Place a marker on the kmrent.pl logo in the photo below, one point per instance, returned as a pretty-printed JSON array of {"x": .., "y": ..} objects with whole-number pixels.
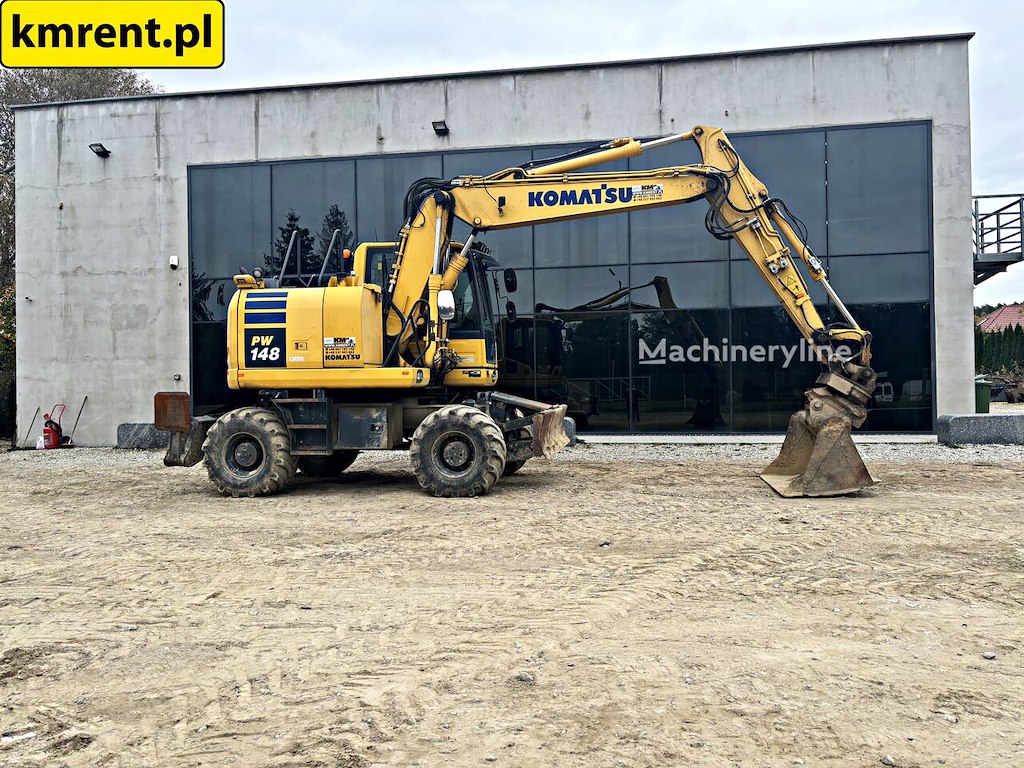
[
  {"x": 663, "y": 353},
  {"x": 112, "y": 33}
]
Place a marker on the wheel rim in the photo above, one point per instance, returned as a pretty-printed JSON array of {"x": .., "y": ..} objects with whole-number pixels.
[
  {"x": 455, "y": 453},
  {"x": 244, "y": 455}
]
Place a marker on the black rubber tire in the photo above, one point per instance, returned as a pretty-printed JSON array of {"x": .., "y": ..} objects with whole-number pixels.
[
  {"x": 569, "y": 427},
  {"x": 511, "y": 467},
  {"x": 458, "y": 450},
  {"x": 327, "y": 466},
  {"x": 248, "y": 453}
]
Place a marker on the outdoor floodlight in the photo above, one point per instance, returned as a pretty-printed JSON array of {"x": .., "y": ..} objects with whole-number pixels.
[
  {"x": 100, "y": 150},
  {"x": 440, "y": 127}
]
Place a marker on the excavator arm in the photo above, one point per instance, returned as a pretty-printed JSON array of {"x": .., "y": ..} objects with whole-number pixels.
[{"x": 818, "y": 457}]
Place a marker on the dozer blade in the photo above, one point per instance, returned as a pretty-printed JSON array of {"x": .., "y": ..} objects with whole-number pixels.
[
  {"x": 822, "y": 462},
  {"x": 549, "y": 431}
]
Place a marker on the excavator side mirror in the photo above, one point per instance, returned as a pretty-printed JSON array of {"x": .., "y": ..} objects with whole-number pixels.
[
  {"x": 511, "y": 281},
  {"x": 445, "y": 305},
  {"x": 510, "y": 311}
]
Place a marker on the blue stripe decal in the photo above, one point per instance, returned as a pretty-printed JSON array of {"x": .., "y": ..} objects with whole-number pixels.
[
  {"x": 267, "y": 295},
  {"x": 250, "y": 304},
  {"x": 264, "y": 318}
]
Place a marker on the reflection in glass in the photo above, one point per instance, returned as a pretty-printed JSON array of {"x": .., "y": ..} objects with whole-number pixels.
[
  {"x": 856, "y": 278},
  {"x": 600, "y": 292},
  {"x": 674, "y": 233},
  {"x": 516, "y": 363},
  {"x": 210, "y": 298},
  {"x": 302, "y": 255},
  {"x": 689, "y": 285},
  {"x": 210, "y": 370},
  {"x": 577, "y": 360},
  {"x": 597, "y": 386},
  {"x": 903, "y": 361},
  {"x": 792, "y": 167},
  {"x": 679, "y": 375},
  {"x": 879, "y": 190},
  {"x": 771, "y": 367},
  {"x": 229, "y": 218},
  {"x": 559, "y": 289},
  {"x": 381, "y": 184}
]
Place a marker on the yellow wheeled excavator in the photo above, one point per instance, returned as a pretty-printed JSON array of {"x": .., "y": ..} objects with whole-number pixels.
[{"x": 383, "y": 356}]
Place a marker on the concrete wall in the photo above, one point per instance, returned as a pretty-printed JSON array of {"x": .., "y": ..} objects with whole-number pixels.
[{"x": 101, "y": 314}]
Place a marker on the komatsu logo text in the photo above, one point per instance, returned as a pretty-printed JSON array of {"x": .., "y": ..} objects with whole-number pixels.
[{"x": 603, "y": 194}]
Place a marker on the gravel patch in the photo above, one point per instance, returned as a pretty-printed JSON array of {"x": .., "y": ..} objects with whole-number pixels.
[
  {"x": 872, "y": 452},
  {"x": 987, "y": 455},
  {"x": 1006, "y": 407}
]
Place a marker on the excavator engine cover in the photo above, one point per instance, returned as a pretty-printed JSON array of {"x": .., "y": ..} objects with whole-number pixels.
[{"x": 818, "y": 456}]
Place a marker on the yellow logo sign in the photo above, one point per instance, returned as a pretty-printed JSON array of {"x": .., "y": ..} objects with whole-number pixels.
[{"x": 112, "y": 33}]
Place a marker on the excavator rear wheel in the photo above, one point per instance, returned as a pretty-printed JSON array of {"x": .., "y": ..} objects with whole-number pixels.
[
  {"x": 248, "y": 453},
  {"x": 458, "y": 450},
  {"x": 327, "y": 466}
]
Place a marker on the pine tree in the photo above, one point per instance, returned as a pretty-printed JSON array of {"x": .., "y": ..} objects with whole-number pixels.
[
  {"x": 334, "y": 219},
  {"x": 303, "y": 246},
  {"x": 1017, "y": 357}
]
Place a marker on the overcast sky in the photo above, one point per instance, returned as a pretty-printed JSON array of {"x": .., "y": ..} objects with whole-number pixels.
[{"x": 270, "y": 42}]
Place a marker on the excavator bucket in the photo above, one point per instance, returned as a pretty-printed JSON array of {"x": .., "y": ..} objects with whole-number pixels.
[
  {"x": 549, "y": 431},
  {"x": 818, "y": 458}
]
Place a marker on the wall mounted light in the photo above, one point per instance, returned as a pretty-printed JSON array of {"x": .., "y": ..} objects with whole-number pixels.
[
  {"x": 100, "y": 150},
  {"x": 440, "y": 127}
]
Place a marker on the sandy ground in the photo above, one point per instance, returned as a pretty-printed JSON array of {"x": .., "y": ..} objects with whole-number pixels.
[{"x": 628, "y": 606}]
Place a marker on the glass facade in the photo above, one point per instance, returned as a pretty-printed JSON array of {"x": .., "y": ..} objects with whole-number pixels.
[{"x": 690, "y": 339}]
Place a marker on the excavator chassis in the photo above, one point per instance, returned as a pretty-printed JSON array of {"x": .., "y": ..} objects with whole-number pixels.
[{"x": 350, "y": 427}]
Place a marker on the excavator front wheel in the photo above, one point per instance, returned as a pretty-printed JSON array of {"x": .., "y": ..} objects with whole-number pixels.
[
  {"x": 458, "y": 450},
  {"x": 248, "y": 453}
]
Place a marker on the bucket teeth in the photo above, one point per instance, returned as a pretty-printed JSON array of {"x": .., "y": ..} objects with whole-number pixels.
[{"x": 821, "y": 461}]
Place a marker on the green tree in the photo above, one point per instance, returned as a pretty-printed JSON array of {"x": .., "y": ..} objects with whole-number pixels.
[
  {"x": 303, "y": 246},
  {"x": 7, "y": 328},
  {"x": 334, "y": 219},
  {"x": 986, "y": 309}
]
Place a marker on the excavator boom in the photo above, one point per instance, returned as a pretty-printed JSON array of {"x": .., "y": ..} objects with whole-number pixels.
[{"x": 818, "y": 457}]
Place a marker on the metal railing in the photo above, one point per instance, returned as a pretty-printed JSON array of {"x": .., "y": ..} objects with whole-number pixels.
[{"x": 998, "y": 226}]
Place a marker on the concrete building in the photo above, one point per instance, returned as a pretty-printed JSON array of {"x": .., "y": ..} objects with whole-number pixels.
[{"x": 868, "y": 142}]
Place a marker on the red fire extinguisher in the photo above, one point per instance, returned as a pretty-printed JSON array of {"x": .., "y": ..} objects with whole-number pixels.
[{"x": 52, "y": 432}]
